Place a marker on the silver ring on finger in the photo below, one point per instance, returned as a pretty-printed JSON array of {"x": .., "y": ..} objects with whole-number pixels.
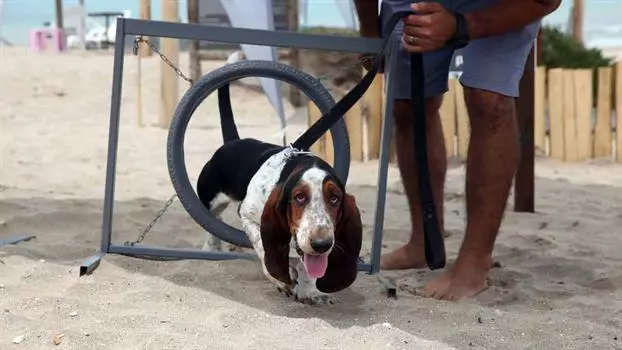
[{"x": 411, "y": 39}]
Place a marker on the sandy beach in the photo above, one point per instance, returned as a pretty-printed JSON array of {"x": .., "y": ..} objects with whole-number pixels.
[{"x": 557, "y": 283}]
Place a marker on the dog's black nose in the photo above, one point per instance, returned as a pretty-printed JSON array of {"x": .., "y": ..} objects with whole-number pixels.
[{"x": 321, "y": 245}]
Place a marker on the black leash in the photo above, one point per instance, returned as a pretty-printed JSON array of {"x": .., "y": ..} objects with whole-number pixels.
[{"x": 434, "y": 244}]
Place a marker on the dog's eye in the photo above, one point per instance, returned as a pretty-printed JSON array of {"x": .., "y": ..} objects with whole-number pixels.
[
  {"x": 300, "y": 198},
  {"x": 334, "y": 200}
]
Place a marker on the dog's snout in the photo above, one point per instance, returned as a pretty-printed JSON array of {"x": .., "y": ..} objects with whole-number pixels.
[{"x": 321, "y": 245}]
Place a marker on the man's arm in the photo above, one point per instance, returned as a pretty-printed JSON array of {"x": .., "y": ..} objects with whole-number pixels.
[
  {"x": 367, "y": 11},
  {"x": 431, "y": 26},
  {"x": 507, "y": 15}
]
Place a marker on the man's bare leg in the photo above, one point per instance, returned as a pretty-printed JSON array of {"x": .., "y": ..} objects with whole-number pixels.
[
  {"x": 491, "y": 164},
  {"x": 412, "y": 254}
]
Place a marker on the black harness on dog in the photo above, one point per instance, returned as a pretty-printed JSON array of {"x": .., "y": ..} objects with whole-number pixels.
[{"x": 434, "y": 244}]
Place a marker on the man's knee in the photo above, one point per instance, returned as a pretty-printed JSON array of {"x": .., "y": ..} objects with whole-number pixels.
[
  {"x": 487, "y": 109},
  {"x": 403, "y": 113}
]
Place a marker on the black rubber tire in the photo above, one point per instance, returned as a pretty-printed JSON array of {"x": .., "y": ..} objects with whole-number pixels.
[{"x": 209, "y": 83}]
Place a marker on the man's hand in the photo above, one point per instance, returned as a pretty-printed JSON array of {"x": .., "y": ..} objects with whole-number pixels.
[{"x": 429, "y": 28}]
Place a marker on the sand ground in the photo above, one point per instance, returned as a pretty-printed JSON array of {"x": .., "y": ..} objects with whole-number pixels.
[{"x": 557, "y": 284}]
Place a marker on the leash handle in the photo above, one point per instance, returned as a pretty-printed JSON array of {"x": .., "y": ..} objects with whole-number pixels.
[{"x": 327, "y": 120}]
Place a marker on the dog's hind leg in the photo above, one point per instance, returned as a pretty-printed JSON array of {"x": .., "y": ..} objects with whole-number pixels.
[
  {"x": 209, "y": 192},
  {"x": 216, "y": 207}
]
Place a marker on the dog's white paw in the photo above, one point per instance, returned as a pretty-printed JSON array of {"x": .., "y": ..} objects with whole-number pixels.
[
  {"x": 212, "y": 243},
  {"x": 308, "y": 294}
]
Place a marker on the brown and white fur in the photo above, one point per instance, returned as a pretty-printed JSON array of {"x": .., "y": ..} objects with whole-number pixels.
[{"x": 288, "y": 199}]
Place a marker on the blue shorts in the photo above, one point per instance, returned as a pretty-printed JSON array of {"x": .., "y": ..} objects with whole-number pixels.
[{"x": 495, "y": 63}]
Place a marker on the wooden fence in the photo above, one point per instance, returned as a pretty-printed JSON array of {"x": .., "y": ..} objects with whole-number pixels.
[{"x": 575, "y": 117}]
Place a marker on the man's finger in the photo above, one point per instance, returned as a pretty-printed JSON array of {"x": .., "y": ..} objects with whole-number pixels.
[
  {"x": 412, "y": 48},
  {"x": 421, "y": 32},
  {"x": 427, "y": 7},
  {"x": 419, "y": 20},
  {"x": 415, "y": 44}
]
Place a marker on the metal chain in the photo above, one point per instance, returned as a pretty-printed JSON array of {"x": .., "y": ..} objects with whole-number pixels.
[
  {"x": 140, "y": 39},
  {"x": 146, "y": 230},
  {"x": 360, "y": 61}
]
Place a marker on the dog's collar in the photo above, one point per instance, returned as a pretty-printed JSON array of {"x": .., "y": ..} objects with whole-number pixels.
[{"x": 295, "y": 151}]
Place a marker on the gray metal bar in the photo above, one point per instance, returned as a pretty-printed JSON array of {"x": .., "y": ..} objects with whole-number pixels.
[
  {"x": 364, "y": 267},
  {"x": 194, "y": 254},
  {"x": 14, "y": 240},
  {"x": 113, "y": 135},
  {"x": 383, "y": 162},
  {"x": 249, "y": 36},
  {"x": 89, "y": 265}
]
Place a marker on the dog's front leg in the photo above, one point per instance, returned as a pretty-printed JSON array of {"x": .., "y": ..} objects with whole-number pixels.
[
  {"x": 305, "y": 290},
  {"x": 254, "y": 235}
]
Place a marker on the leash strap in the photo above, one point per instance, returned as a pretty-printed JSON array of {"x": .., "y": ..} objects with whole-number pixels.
[{"x": 434, "y": 244}]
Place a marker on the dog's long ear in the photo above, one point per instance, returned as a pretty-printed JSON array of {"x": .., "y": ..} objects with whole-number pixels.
[
  {"x": 343, "y": 259},
  {"x": 275, "y": 237}
]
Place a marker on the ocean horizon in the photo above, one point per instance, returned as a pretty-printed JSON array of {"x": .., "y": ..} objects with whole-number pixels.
[{"x": 602, "y": 25}]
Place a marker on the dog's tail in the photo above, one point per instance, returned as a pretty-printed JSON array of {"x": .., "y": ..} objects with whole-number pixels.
[{"x": 227, "y": 122}]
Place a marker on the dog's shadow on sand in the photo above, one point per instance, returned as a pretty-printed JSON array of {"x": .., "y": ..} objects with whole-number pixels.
[{"x": 68, "y": 231}]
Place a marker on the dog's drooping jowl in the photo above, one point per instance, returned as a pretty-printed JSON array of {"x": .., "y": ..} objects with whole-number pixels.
[{"x": 288, "y": 200}]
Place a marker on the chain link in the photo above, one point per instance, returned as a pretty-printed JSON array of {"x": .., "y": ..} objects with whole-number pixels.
[
  {"x": 140, "y": 39},
  {"x": 358, "y": 62},
  {"x": 146, "y": 230}
]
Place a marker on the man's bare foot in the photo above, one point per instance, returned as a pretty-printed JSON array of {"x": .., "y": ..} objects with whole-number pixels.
[
  {"x": 408, "y": 256},
  {"x": 466, "y": 279}
]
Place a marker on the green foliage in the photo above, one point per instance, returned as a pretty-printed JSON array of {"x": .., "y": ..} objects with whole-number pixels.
[
  {"x": 329, "y": 31},
  {"x": 560, "y": 50}
]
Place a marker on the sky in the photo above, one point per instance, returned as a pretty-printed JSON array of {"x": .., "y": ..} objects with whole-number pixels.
[{"x": 602, "y": 17}]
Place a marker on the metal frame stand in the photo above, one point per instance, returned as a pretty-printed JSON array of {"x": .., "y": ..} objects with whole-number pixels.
[{"x": 126, "y": 26}]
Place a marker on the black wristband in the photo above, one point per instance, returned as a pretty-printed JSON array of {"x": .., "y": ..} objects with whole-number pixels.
[{"x": 461, "y": 37}]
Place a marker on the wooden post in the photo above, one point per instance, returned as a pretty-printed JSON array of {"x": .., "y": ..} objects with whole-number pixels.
[
  {"x": 577, "y": 20},
  {"x": 295, "y": 97},
  {"x": 618, "y": 108},
  {"x": 555, "y": 91},
  {"x": 145, "y": 13},
  {"x": 193, "y": 49},
  {"x": 59, "y": 14},
  {"x": 539, "y": 102},
  {"x": 169, "y": 83},
  {"x": 82, "y": 24},
  {"x": 524, "y": 187},
  {"x": 570, "y": 123},
  {"x": 583, "y": 101},
  {"x": 448, "y": 117},
  {"x": 139, "y": 91},
  {"x": 373, "y": 107},
  {"x": 602, "y": 130}
]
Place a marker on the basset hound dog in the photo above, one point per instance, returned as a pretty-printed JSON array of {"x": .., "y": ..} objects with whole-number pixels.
[{"x": 288, "y": 200}]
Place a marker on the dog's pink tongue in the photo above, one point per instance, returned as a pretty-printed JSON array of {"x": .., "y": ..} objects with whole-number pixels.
[{"x": 316, "y": 265}]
